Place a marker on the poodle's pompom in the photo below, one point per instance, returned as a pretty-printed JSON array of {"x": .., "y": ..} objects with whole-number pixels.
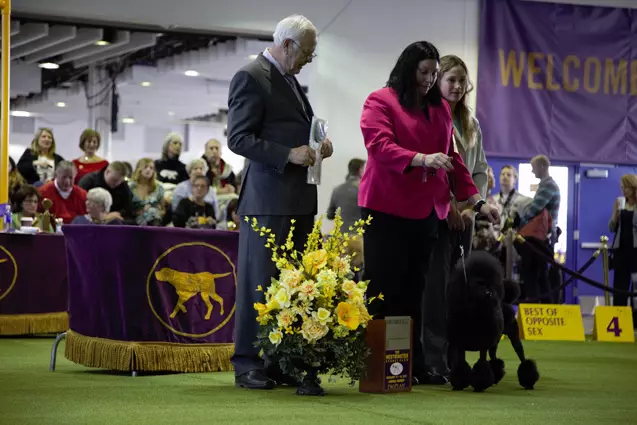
[
  {"x": 460, "y": 376},
  {"x": 511, "y": 291},
  {"x": 481, "y": 376},
  {"x": 528, "y": 374},
  {"x": 497, "y": 367}
]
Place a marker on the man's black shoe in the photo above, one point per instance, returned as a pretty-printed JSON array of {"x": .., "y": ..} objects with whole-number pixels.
[{"x": 254, "y": 380}]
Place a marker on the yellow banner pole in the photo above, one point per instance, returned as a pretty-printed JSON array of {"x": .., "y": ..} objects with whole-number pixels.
[{"x": 6, "y": 98}]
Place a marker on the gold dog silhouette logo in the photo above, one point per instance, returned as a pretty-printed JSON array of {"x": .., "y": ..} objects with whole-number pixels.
[
  {"x": 8, "y": 272},
  {"x": 191, "y": 289},
  {"x": 188, "y": 285}
]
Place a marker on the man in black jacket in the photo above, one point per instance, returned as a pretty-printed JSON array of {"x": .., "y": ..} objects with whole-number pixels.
[{"x": 112, "y": 178}]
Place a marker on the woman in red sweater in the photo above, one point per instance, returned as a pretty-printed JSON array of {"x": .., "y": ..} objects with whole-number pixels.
[
  {"x": 89, "y": 162},
  {"x": 412, "y": 165}
]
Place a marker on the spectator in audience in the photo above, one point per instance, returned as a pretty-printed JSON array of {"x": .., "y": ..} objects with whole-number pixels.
[
  {"x": 509, "y": 200},
  {"x": 623, "y": 223},
  {"x": 26, "y": 206},
  {"x": 16, "y": 181},
  {"x": 345, "y": 196},
  {"x": 220, "y": 173},
  {"x": 486, "y": 235},
  {"x": 98, "y": 205},
  {"x": 89, "y": 162},
  {"x": 69, "y": 200},
  {"x": 148, "y": 194},
  {"x": 37, "y": 163},
  {"x": 196, "y": 168},
  {"x": 170, "y": 170},
  {"x": 194, "y": 211},
  {"x": 232, "y": 220},
  {"x": 112, "y": 178}
]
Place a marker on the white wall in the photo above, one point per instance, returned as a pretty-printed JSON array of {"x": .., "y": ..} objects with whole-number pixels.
[{"x": 130, "y": 143}]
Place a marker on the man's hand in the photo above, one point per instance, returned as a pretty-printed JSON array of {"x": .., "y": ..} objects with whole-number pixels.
[
  {"x": 326, "y": 148},
  {"x": 491, "y": 212},
  {"x": 303, "y": 155}
]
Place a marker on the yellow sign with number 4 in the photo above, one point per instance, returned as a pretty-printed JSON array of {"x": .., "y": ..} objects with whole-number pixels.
[{"x": 614, "y": 324}]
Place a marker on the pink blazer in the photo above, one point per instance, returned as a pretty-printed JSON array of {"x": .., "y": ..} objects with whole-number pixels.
[{"x": 393, "y": 135}]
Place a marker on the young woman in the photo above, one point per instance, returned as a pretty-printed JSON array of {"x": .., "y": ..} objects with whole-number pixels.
[
  {"x": 37, "y": 163},
  {"x": 407, "y": 130},
  {"x": 623, "y": 223},
  {"x": 89, "y": 162},
  {"x": 148, "y": 194}
]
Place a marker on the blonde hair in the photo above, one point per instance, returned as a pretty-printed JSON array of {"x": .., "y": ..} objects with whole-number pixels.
[
  {"x": 137, "y": 174},
  {"x": 35, "y": 146},
  {"x": 513, "y": 170},
  {"x": 630, "y": 181},
  {"x": 462, "y": 110}
]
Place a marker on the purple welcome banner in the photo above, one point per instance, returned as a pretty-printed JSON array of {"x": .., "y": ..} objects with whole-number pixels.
[
  {"x": 559, "y": 80},
  {"x": 150, "y": 284}
]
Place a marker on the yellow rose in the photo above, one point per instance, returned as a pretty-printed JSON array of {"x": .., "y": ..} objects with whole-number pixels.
[
  {"x": 326, "y": 277},
  {"x": 275, "y": 337},
  {"x": 313, "y": 330},
  {"x": 282, "y": 297},
  {"x": 291, "y": 278},
  {"x": 348, "y": 315}
]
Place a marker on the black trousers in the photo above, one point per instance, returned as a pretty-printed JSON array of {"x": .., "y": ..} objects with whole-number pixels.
[
  {"x": 624, "y": 266},
  {"x": 256, "y": 268},
  {"x": 397, "y": 252},
  {"x": 444, "y": 257},
  {"x": 533, "y": 269}
]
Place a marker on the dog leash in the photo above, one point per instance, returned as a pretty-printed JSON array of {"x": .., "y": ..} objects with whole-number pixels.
[{"x": 464, "y": 268}]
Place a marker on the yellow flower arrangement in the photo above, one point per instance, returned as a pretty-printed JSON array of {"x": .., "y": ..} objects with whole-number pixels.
[{"x": 314, "y": 314}]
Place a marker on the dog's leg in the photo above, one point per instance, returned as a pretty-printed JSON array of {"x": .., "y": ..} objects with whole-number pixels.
[
  {"x": 497, "y": 365},
  {"x": 481, "y": 374},
  {"x": 528, "y": 373},
  {"x": 460, "y": 374}
]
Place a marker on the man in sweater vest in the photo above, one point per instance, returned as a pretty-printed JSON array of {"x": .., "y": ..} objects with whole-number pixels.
[{"x": 69, "y": 200}]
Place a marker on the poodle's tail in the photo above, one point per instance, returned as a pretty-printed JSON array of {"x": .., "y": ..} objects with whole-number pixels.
[{"x": 511, "y": 291}]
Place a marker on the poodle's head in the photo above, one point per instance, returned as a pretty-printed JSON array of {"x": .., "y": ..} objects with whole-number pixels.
[{"x": 484, "y": 278}]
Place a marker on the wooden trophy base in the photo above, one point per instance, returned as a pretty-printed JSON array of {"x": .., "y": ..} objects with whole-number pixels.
[{"x": 389, "y": 365}]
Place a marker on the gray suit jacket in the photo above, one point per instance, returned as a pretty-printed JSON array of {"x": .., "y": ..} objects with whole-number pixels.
[{"x": 265, "y": 121}]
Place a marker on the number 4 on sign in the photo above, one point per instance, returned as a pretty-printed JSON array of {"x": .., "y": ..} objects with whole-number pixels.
[{"x": 613, "y": 324}]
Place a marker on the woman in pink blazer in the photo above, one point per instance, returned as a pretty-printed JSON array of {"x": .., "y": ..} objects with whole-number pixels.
[{"x": 412, "y": 165}]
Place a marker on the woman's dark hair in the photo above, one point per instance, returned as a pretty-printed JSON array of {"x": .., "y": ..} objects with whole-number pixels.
[
  {"x": 25, "y": 192},
  {"x": 403, "y": 77}
]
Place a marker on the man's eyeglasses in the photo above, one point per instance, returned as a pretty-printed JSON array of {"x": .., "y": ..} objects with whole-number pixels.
[{"x": 307, "y": 54}]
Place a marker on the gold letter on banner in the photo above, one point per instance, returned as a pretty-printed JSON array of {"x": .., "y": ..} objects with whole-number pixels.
[
  {"x": 592, "y": 82},
  {"x": 534, "y": 70},
  {"x": 511, "y": 65},
  {"x": 568, "y": 85},
  {"x": 614, "y": 324},
  {"x": 550, "y": 77},
  {"x": 615, "y": 76},
  {"x": 550, "y": 322}
]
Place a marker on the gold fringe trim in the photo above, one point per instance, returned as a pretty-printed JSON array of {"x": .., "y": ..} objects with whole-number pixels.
[
  {"x": 147, "y": 356},
  {"x": 31, "y": 324}
]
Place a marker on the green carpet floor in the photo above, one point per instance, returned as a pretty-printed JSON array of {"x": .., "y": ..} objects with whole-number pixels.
[{"x": 581, "y": 383}]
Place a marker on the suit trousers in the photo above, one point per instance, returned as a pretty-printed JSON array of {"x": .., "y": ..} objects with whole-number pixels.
[
  {"x": 396, "y": 252},
  {"x": 444, "y": 257},
  {"x": 256, "y": 268}
]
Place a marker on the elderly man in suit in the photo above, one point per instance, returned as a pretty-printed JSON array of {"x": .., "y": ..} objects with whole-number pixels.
[{"x": 269, "y": 119}]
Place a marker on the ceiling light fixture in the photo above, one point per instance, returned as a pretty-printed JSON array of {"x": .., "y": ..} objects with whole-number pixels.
[
  {"x": 20, "y": 114},
  {"x": 145, "y": 83},
  {"x": 171, "y": 113},
  {"x": 60, "y": 105},
  {"x": 49, "y": 65},
  {"x": 102, "y": 43},
  {"x": 128, "y": 120},
  {"x": 191, "y": 73}
]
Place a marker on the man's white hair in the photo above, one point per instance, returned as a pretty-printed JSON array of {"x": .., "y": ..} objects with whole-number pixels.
[{"x": 292, "y": 28}]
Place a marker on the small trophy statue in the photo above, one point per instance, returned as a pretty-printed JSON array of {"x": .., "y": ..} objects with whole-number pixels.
[
  {"x": 47, "y": 220},
  {"x": 318, "y": 134}
]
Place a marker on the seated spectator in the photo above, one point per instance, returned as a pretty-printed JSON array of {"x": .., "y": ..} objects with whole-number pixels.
[
  {"x": 89, "y": 162},
  {"x": 194, "y": 212},
  {"x": 148, "y": 194},
  {"x": 195, "y": 168},
  {"x": 26, "y": 206},
  {"x": 220, "y": 173},
  {"x": 232, "y": 221},
  {"x": 169, "y": 168},
  {"x": 69, "y": 200},
  {"x": 98, "y": 206},
  {"x": 16, "y": 181},
  {"x": 112, "y": 178},
  {"x": 37, "y": 163}
]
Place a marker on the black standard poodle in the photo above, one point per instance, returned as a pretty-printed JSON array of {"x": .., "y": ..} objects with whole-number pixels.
[{"x": 479, "y": 312}]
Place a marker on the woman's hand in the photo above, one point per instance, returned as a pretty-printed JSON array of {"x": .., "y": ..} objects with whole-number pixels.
[
  {"x": 490, "y": 212},
  {"x": 454, "y": 219},
  {"x": 438, "y": 160}
]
